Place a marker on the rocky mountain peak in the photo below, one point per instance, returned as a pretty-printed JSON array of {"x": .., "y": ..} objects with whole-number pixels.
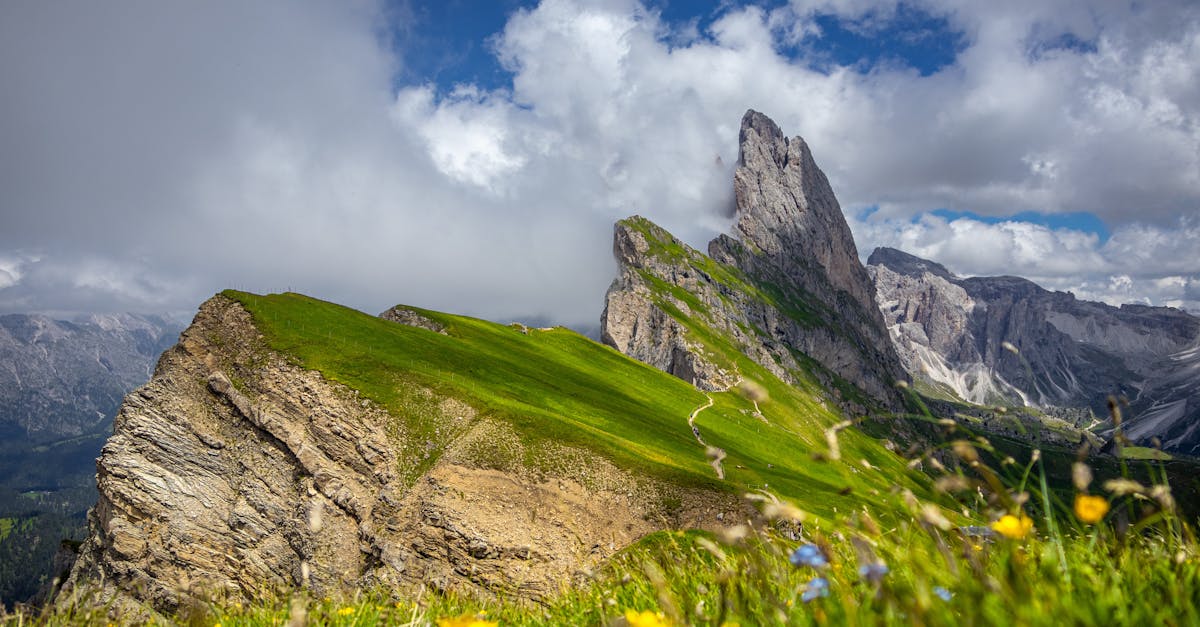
[
  {"x": 901, "y": 262},
  {"x": 957, "y": 335},
  {"x": 787, "y": 211},
  {"x": 787, "y": 280}
]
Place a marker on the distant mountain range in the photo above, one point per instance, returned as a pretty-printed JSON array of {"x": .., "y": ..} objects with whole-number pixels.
[
  {"x": 67, "y": 378},
  {"x": 1005, "y": 340},
  {"x": 61, "y": 383}
]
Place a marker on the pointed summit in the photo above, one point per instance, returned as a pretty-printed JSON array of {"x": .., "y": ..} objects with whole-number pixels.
[
  {"x": 906, "y": 264},
  {"x": 787, "y": 212},
  {"x": 787, "y": 286}
]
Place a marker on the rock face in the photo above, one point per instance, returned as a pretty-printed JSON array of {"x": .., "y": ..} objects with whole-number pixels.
[
  {"x": 785, "y": 288},
  {"x": 406, "y": 315},
  {"x": 235, "y": 470},
  {"x": 952, "y": 332},
  {"x": 789, "y": 218},
  {"x": 642, "y": 329}
]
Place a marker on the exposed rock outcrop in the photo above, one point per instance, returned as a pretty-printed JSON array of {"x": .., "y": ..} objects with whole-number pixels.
[
  {"x": 234, "y": 470},
  {"x": 412, "y": 318},
  {"x": 635, "y": 324},
  {"x": 1006, "y": 340},
  {"x": 788, "y": 286}
]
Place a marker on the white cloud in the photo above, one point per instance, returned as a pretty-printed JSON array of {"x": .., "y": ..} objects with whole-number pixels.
[
  {"x": 1139, "y": 263},
  {"x": 10, "y": 271},
  {"x": 162, "y": 153}
]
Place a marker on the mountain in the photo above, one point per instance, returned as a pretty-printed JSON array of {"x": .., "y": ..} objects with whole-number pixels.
[
  {"x": 1005, "y": 340},
  {"x": 66, "y": 378},
  {"x": 785, "y": 290},
  {"x": 292, "y": 442},
  {"x": 286, "y": 441},
  {"x": 61, "y": 383}
]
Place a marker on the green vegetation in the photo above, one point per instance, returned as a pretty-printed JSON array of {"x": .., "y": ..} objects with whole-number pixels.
[
  {"x": 1115, "y": 552},
  {"x": 559, "y": 387},
  {"x": 664, "y": 247},
  {"x": 45, "y": 490},
  {"x": 1144, "y": 452},
  {"x": 956, "y": 529}
]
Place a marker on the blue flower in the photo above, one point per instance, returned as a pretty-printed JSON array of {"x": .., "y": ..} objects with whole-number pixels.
[
  {"x": 943, "y": 593},
  {"x": 809, "y": 555},
  {"x": 978, "y": 532},
  {"x": 818, "y": 587},
  {"x": 873, "y": 572}
]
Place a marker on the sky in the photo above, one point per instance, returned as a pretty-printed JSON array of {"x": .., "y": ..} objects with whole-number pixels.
[{"x": 472, "y": 156}]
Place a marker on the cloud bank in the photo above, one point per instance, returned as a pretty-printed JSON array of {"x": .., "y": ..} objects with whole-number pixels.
[{"x": 158, "y": 153}]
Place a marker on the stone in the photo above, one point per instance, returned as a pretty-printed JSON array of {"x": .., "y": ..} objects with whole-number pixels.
[
  {"x": 313, "y": 486},
  {"x": 800, "y": 286},
  {"x": 1006, "y": 341}
]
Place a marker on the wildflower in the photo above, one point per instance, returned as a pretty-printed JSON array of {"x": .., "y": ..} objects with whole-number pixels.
[
  {"x": 1090, "y": 509},
  {"x": 468, "y": 620},
  {"x": 977, "y": 531},
  {"x": 943, "y": 593},
  {"x": 1081, "y": 475},
  {"x": 1122, "y": 487},
  {"x": 345, "y": 611},
  {"x": 931, "y": 515},
  {"x": 644, "y": 618},
  {"x": 873, "y": 572},
  {"x": 952, "y": 483},
  {"x": 1162, "y": 494},
  {"x": 965, "y": 451},
  {"x": 818, "y": 587},
  {"x": 1013, "y": 527},
  {"x": 809, "y": 555}
]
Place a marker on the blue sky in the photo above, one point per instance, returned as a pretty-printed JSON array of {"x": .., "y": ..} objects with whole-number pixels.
[
  {"x": 448, "y": 42},
  {"x": 472, "y": 156}
]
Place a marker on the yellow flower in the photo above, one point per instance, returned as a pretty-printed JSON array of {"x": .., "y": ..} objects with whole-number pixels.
[
  {"x": 1090, "y": 509},
  {"x": 466, "y": 620},
  {"x": 345, "y": 611},
  {"x": 1010, "y": 526},
  {"x": 646, "y": 618}
]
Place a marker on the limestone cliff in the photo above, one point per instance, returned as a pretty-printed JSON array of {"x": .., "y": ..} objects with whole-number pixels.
[
  {"x": 1005, "y": 340},
  {"x": 235, "y": 470},
  {"x": 786, "y": 288}
]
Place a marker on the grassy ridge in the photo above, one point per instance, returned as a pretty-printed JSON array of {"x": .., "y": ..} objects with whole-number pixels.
[{"x": 558, "y": 386}]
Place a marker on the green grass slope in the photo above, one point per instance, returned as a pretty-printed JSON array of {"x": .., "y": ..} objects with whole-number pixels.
[{"x": 556, "y": 386}]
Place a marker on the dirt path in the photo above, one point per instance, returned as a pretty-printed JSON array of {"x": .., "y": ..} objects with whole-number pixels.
[
  {"x": 715, "y": 455},
  {"x": 692, "y": 420}
]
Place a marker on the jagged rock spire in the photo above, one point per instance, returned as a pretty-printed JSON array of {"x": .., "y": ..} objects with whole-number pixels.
[
  {"x": 807, "y": 292},
  {"x": 786, "y": 209}
]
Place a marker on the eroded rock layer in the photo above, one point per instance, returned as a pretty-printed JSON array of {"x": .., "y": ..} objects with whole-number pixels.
[{"x": 235, "y": 471}]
